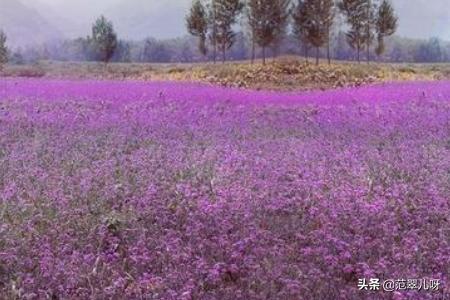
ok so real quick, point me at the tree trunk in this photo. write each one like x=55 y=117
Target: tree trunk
x=317 y=56
x=224 y=54
x=264 y=54
x=328 y=46
x=214 y=32
x=253 y=48
x=328 y=53
x=214 y=48
x=306 y=53
x=202 y=46
x=358 y=50
x=368 y=33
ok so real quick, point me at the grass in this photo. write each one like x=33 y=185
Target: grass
x=285 y=73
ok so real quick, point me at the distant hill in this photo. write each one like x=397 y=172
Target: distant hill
x=24 y=25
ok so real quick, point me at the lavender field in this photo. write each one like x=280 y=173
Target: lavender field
x=138 y=190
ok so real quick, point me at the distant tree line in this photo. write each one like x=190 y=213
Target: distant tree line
x=185 y=49
x=239 y=30
x=312 y=23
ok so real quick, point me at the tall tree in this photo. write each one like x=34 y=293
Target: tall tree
x=355 y=12
x=104 y=39
x=197 y=24
x=260 y=19
x=301 y=25
x=329 y=19
x=252 y=24
x=3 y=49
x=281 y=14
x=253 y=41
x=370 y=23
x=249 y=35
x=264 y=18
x=212 y=22
x=386 y=24
x=226 y=15
x=320 y=13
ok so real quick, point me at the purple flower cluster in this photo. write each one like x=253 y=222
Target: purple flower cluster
x=133 y=190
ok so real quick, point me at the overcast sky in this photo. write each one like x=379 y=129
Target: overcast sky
x=418 y=18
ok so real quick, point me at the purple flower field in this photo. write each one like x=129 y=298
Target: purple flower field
x=134 y=190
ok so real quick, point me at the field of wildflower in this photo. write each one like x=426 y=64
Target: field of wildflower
x=138 y=190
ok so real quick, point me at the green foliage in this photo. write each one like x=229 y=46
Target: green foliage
x=386 y=24
x=268 y=20
x=197 y=24
x=313 y=20
x=260 y=19
x=226 y=14
x=281 y=19
x=320 y=17
x=301 y=24
x=367 y=19
x=355 y=12
x=3 y=49
x=104 y=39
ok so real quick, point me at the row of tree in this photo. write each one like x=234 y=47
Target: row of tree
x=312 y=22
x=101 y=45
x=293 y=29
x=185 y=49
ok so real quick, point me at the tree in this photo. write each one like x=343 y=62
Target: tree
x=253 y=22
x=265 y=20
x=3 y=49
x=329 y=19
x=386 y=24
x=226 y=16
x=370 y=26
x=123 y=52
x=355 y=12
x=249 y=33
x=212 y=22
x=320 y=14
x=301 y=25
x=156 y=51
x=17 y=57
x=281 y=18
x=104 y=39
x=260 y=19
x=430 y=51
x=197 y=24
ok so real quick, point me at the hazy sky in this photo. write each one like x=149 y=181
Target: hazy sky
x=418 y=18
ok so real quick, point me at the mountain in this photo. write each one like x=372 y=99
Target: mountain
x=25 y=25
